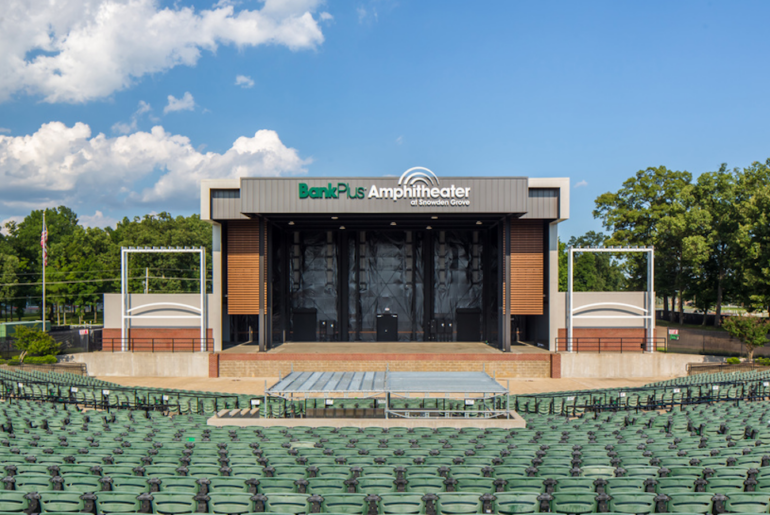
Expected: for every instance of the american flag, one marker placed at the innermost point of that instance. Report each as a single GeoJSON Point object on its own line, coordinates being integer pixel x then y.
{"type": "Point", "coordinates": [44, 243]}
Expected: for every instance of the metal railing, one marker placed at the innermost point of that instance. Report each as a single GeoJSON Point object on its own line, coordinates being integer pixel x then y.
{"type": "Point", "coordinates": [107, 397]}
{"type": "Point", "coordinates": [642, 398]}
{"type": "Point", "coordinates": [609, 344]}
{"type": "Point", "coordinates": [157, 345]}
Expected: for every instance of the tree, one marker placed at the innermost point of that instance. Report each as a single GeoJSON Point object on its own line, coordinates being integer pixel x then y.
{"type": "Point", "coordinates": [717, 193]}
{"type": "Point", "coordinates": [633, 214]}
{"type": "Point", "coordinates": [9, 269]}
{"type": "Point", "coordinates": [35, 342]}
{"type": "Point", "coordinates": [752, 331]}
{"type": "Point", "coordinates": [591, 271]}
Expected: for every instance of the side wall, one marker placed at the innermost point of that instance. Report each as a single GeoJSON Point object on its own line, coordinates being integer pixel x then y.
{"type": "Point", "coordinates": [626, 365]}
{"type": "Point", "coordinates": [142, 364]}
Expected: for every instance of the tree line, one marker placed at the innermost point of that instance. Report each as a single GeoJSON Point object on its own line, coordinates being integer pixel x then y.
{"type": "Point", "coordinates": [84, 262]}
{"type": "Point", "coordinates": [711, 235]}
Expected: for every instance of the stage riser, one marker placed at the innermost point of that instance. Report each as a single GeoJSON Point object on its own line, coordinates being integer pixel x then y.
{"type": "Point", "coordinates": [502, 365]}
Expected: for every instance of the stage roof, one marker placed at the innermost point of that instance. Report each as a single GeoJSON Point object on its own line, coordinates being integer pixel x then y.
{"type": "Point", "coordinates": [381, 382]}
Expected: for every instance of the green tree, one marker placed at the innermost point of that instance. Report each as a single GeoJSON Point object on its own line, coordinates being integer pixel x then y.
{"type": "Point", "coordinates": [9, 269]}
{"type": "Point", "coordinates": [634, 213]}
{"type": "Point", "coordinates": [716, 192]}
{"type": "Point", "coordinates": [35, 342]}
{"type": "Point", "coordinates": [752, 238]}
{"type": "Point", "coordinates": [752, 331]}
{"type": "Point", "coordinates": [591, 271]}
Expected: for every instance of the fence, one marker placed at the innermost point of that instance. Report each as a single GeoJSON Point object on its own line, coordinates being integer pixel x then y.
{"type": "Point", "coordinates": [642, 398]}
{"type": "Point", "coordinates": [157, 344]}
{"type": "Point", "coordinates": [715, 343]}
{"type": "Point", "coordinates": [59, 368]}
{"type": "Point", "coordinates": [602, 344]}
{"type": "Point", "coordinates": [72, 341]}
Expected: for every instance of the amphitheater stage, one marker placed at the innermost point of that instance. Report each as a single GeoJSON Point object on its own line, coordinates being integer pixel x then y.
{"type": "Point", "coordinates": [523, 361]}
{"type": "Point", "coordinates": [515, 422]}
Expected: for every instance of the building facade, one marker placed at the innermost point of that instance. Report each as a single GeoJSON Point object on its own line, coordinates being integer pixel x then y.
{"type": "Point", "coordinates": [409, 258]}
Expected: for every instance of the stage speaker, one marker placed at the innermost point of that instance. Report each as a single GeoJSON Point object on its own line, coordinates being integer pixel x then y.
{"type": "Point", "coordinates": [468, 325]}
{"type": "Point", "coordinates": [387, 327]}
{"type": "Point", "coordinates": [305, 321]}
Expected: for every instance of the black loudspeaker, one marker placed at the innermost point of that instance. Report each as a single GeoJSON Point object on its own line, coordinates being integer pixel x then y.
{"type": "Point", "coordinates": [468, 325]}
{"type": "Point", "coordinates": [305, 321]}
{"type": "Point", "coordinates": [387, 328]}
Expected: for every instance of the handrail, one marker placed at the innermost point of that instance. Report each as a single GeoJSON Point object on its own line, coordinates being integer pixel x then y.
{"type": "Point", "coordinates": [186, 306]}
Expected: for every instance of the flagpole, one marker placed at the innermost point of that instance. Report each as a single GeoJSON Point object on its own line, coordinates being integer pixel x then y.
{"type": "Point", "coordinates": [44, 263]}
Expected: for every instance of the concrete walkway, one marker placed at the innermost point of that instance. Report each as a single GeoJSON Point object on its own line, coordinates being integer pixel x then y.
{"type": "Point", "coordinates": [256, 385]}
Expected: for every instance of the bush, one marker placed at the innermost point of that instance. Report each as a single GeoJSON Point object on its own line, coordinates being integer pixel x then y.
{"type": "Point", "coordinates": [35, 342]}
{"type": "Point", "coordinates": [762, 361]}
{"type": "Point", "coordinates": [40, 360]}
{"type": "Point", "coordinates": [14, 361]}
{"type": "Point", "coordinates": [3, 362]}
{"type": "Point", "coordinates": [733, 361]}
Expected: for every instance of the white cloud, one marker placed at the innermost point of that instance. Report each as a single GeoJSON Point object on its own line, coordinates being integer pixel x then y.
{"type": "Point", "coordinates": [80, 50]}
{"type": "Point", "coordinates": [98, 219]}
{"type": "Point", "coordinates": [68, 165]}
{"type": "Point", "coordinates": [4, 229]}
{"type": "Point", "coordinates": [125, 128]}
{"type": "Point", "coordinates": [399, 140]}
{"type": "Point", "coordinates": [4, 130]}
{"type": "Point", "coordinates": [186, 103]}
{"type": "Point", "coordinates": [581, 184]}
{"type": "Point", "coordinates": [326, 16]}
{"type": "Point", "coordinates": [244, 81]}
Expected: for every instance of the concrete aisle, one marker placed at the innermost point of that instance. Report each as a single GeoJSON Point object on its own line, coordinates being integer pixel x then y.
{"type": "Point", "coordinates": [256, 385]}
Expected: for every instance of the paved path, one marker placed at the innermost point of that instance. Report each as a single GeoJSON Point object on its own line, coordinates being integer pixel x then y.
{"type": "Point", "coordinates": [256, 385]}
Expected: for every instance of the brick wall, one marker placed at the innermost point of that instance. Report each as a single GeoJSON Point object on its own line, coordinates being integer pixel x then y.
{"type": "Point", "coordinates": [274, 365]}
{"type": "Point", "coordinates": [181, 339]}
{"type": "Point", "coordinates": [588, 339]}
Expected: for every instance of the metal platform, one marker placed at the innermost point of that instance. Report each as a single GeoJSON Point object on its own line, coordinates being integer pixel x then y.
{"type": "Point", "coordinates": [479, 395]}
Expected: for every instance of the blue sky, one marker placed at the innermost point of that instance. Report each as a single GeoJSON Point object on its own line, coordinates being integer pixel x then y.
{"type": "Point", "coordinates": [590, 90]}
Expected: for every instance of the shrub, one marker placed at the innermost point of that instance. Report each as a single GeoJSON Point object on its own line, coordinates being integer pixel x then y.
{"type": "Point", "coordinates": [752, 331]}
{"type": "Point", "coordinates": [733, 361]}
{"type": "Point", "coordinates": [34, 342]}
{"type": "Point", "coordinates": [3, 362]}
{"type": "Point", "coordinates": [14, 361]}
{"type": "Point", "coordinates": [40, 360]}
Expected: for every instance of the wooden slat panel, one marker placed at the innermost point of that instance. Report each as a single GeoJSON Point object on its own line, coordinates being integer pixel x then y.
{"type": "Point", "coordinates": [244, 268]}
{"type": "Point", "coordinates": [527, 267]}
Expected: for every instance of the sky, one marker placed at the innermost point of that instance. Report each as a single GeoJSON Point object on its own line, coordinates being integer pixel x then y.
{"type": "Point", "coordinates": [120, 107]}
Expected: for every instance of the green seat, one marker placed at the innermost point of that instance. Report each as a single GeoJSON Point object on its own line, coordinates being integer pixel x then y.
{"type": "Point", "coordinates": [82, 483]}
{"type": "Point", "coordinates": [168, 503]}
{"type": "Point", "coordinates": [230, 504]}
{"type": "Point", "coordinates": [268, 485]}
{"type": "Point", "coordinates": [117, 502]}
{"type": "Point", "coordinates": [228, 485]}
{"type": "Point", "coordinates": [690, 502]}
{"type": "Point", "coordinates": [287, 503]}
{"type": "Point", "coordinates": [525, 484]}
{"type": "Point", "coordinates": [130, 484]}
{"type": "Point", "coordinates": [574, 484]}
{"type": "Point", "coordinates": [671, 485]}
{"type": "Point", "coordinates": [637, 503]}
{"type": "Point", "coordinates": [450, 503]}
{"type": "Point", "coordinates": [725, 485]}
{"type": "Point", "coordinates": [573, 503]}
{"type": "Point", "coordinates": [424, 484]}
{"type": "Point", "coordinates": [398, 503]}
{"type": "Point", "coordinates": [509, 503]}
{"type": "Point", "coordinates": [344, 503]}
{"type": "Point", "coordinates": [377, 484]}
{"type": "Point", "coordinates": [324, 485]}
{"type": "Point", "coordinates": [747, 502]}
{"type": "Point", "coordinates": [13, 501]}
{"type": "Point", "coordinates": [65, 502]}
{"type": "Point", "coordinates": [188, 485]}
{"type": "Point", "coordinates": [624, 485]}
{"type": "Point", "coordinates": [480, 485]}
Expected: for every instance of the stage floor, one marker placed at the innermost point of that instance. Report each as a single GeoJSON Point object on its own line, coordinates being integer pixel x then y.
{"type": "Point", "coordinates": [385, 348]}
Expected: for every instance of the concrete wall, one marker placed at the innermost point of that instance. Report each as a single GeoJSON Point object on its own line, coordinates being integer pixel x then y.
{"type": "Point", "coordinates": [621, 366]}
{"type": "Point", "coordinates": [142, 364]}
{"type": "Point", "coordinates": [112, 310]}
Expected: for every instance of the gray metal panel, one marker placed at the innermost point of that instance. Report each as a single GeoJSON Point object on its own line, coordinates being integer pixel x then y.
{"type": "Point", "coordinates": [226, 205]}
{"type": "Point", "coordinates": [281, 196]}
{"type": "Point", "coordinates": [368, 382]}
{"type": "Point", "coordinates": [443, 382]}
{"type": "Point", "coordinates": [543, 203]}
